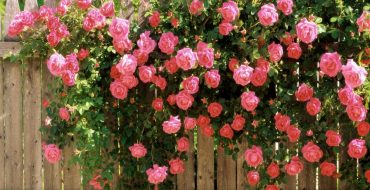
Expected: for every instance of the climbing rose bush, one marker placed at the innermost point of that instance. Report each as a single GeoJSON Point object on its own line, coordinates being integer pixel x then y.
{"type": "Point", "coordinates": [288, 77]}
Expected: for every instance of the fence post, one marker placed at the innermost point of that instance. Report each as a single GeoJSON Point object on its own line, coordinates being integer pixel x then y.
{"type": "Point", "coordinates": [205, 174]}
{"type": "Point", "coordinates": [186, 181]}
{"type": "Point", "coordinates": [11, 9]}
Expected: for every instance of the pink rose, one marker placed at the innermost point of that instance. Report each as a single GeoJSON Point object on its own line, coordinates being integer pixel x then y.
{"type": "Point", "coordinates": [94, 19]}
{"type": "Point", "coordinates": [177, 166]}
{"type": "Point", "coordinates": [233, 64]}
{"type": "Point", "coordinates": [146, 43]}
{"type": "Point", "coordinates": [327, 168]}
{"type": "Point", "coordinates": [254, 156]}
{"type": "Point", "coordinates": [293, 133]}
{"type": "Point", "coordinates": [275, 52]}
{"type": "Point", "coordinates": [273, 170]}
{"type": "Point", "coordinates": [294, 51]}
{"type": "Point", "coordinates": [330, 64]}
{"type": "Point", "coordinates": [184, 100]}
{"type": "Point", "coordinates": [311, 152]}
{"type": "Point", "coordinates": [253, 177]}
{"type": "Point", "coordinates": [363, 22]}
{"type": "Point", "coordinates": [258, 77]}
{"type": "Point", "coordinates": [203, 121]}
{"type": "Point", "coordinates": [160, 82]}
{"type": "Point", "coordinates": [72, 63]}
{"type": "Point", "coordinates": [52, 153]}
{"type": "Point", "coordinates": [171, 99]}
{"type": "Point", "coordinates": [191, 84]}
{"type": "Point", "coordinates": [53, 39]}
{"type": "Point", "coordinates": [304, 93]}
{"type": "Point", "coordinates": [263, 64]}
{"type": "Point", "coordinates": [268, 15]}
{"type": "Point", "coordinates": [285, 6]}
{"type": "Point", "coordinates": [226, 131]}
{"type": "Point", "coordinates": [15, 28]}
{"type": "Point", "coordinates": [333, 138]}
{"type": "Point", "coordinates": [127, 64]}
{"type": "Point", "coordinates": [121, 45]}
{"type": "Point", "coordinates": [82, 54]}
{"type": "Point", "coordinates": [354, 75]}
{"type": "Point", "coordinates": [367, 176]}
{"type": "Point", "coordinates": [272, 187]}
{"type": "Point", "coordinates": [186, 59]}
{"type": "Point", "coordinates": [83, 4]}
{"type": "Point", "coordinates": [146, 73]}
{"type": "Point", "coordinates": [154, 19]}
{"type": "Point", "coordinates": [306, 31]}
{"type": "Point", "coordinates": [363, 128]}
{"type": "Point", "coordinates": [195, 7]}
{"type": "Point", "coordinates": [357, 148]}
{"type": "Point", "coordinates": [95, 182]}
{"type": "Point", "coordinates": [183, 144]}
{"type": "Point", "coordinates": [46, 12]}
{"type": "Point", "coordinates": [190, 123]}
{"type": "Point", "coordinates": [356, 112]}
{"type": "Point", "coordinates": [68, 78]}
{"type": "Point", "coordinates": [205, 55]}
{"type": "Point", "coordinates": [347, 96]}
{"type": "Point", "coordinates": [287, 38]}
{"type": "Point", "coordinates": [119, 28]}
{"type": "Point", "coordinates": [156, 174]}
{"type": "Point", "coordinates": [229, 11]}
{"type": "Point", "coordinates": [212, 78]}
{"type": "Point", "coordinates": [243, 75]}
{"type": "Point", "coordinates": [282, 122]}
{"type": "Point", "coordinates": [294, 167]}
{"type": "Point", "coordinates": [137, 150]}
{"type": "Point", "coordinates": [238, 122]}
{"type": "Point", "coordinates": [225, 28]}
{"type": "Point", "coordinates": [313, 106]}
{"type": "Point", "coordinates": [107, 9]}
{"type": "Point", "coordinates": [141, 56]}
{"type": "Point", "coordinates": [157, 104]}
{"type": "Point", "coordinates": [114, 73]}
{"type": "Point", "coordinates": [249, 101]}
{"type": "Point", "coordinates": [207, 131]}
{"type": "Point", "coordinates": [64, 114]}
{"type": "Point", "coordinates": [118, 89]}
{"type": "Point", "coordinates": [56, 64]}
{"type": "Point", "coordinates": [168, 42]}
{"type": "Point", "coordinates": [171, 65]}
{"type": "Point", "coordinates": [172, 125]}
{"type": "Point", "coordinates": [174, 22]}
{"type": "Point", "coordinates": [130, 81]}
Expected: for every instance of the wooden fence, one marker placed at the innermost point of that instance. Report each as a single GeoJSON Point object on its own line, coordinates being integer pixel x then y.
{"type": "Point", "coordinates": [22, 89]}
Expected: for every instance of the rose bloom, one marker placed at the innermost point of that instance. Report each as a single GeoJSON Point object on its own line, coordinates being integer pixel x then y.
{"type": "Point", "coordinates": [205, 55]}
{"type": "Point", "coordinates": [225, 28]}
{"type": "Point", "coordinates": [285, 6]}
{"type": "Point", "coordinates": [363, 128]}
{"type": "Point", "coordinates": [226, 131]}
{"type": "Point", "coordinates": [157, 104]}
{"type": "Point", "coordinates": [294, 167]}
{"type": "Point", "coordinates": [160, 82]}
{"type": "Point", "coordinates": [253, 177]}
{"type": "Point", "coordinates": [68, 78]}
{"type": "Point", "coordinates": [313, 106]}
{"type": "Point", "coordinates": [95, 182]}
{"type": "Point", "coordinates": [185, 59]}
{"type": "Point", "coordinates": [346, 95]}
{"type": "Point", "coordinates": [114, 73]}
{"type": "Point", "coordinates": [273, 170]}
{"type": "Point", "coordinates": [195, 7]}
{"type": "Point", "coordinates": [238, 122]}
{"type": "Point", "coordinates": [171, 65]}
{"type": "Point", "coordinates": [190, 123]}
{"type": "Point", "coordinates": [84, 4]}
{"type": "Point", "coordinates": [229, 11]}
{"type": "Point", "coordinates": [141, 56]}
{"type": "Point", "coordinates": [184, 100]}
{"type": "Point", "coordinates": [127, 64]}
{"type": "Point", "coordinates": [130, 81]}
{"type": "Point", "coordinates": [258, 77]}
{"type": "Point", "coordinates": [293, 133]}
{"type": "Point", "coordinates": [154, 19]}
{"type": "Point", "coordinates": [172, 125]}
{"type": "Point", "coordinates": [333, 138]}
{"type": "Point", "coordinates": [311, 152]}
{"type": "Point", "coordinates": [254, 156]}
{"type": "Point", "coordinates": [275, 52]}
{"type": "Point", "coordinates": [146, 43]}
{"type": "Point", "coordinates": [107, 9]}
{"type": "Point", "coordinates": [309, 133]}
{"type": "Point", "coordinates": [263, 64]}
{"type": "Point", "coordinates": [56, 64]}
{"type": "Point", "coordinates": [168, 42]}
{"type": "Point", "coordinates": [52, 153]}
{"type": "Point", "coordinates": [156, 174]}
{"type": "Point", "coordinates": [306, 31]}
{"type": "Point", "coordinates": [171, 99]}
{"type": "Point", "coordinates": [146, 73]}
{"type": "Point", "coordinates": [64, 114]}
{"type": "Point", "coordinates": [191, 85]}
{"type": "Point", "coordinates": [203, 121]}
{"type": "Point", "coordinates": [282, 122]}
{"type": "Point", "coordinates": [330, 64]}
{"type": "Point", "coordinates": [121, 45]}
{"type": "Point", "coordinates": [214, 109]}
{"type": "Point", "coordinates": [82, 54]}
{"type": "Point", "coordinates": [287, 39]}
{"type": "Point", "coordinates": [243, 75]}
{"type": "Point", "coordinates": [249, 101]}
{"type": "Point", "coordinates": [327, 168]}
{"type": "Point", "coordinates": [183, 144]}
{"type": "Point", "coordinates": [363, 22]}
{"type": "Point", "coordinates": [212, 78]}
{"type": "Point", "coordinates": [268, 15]}
{"type": "Point", "coordinates": [354, 75]}
{"type": "Point", "coordinates": [233, 64]}
{"type": "Point", "coordinates": [207, 131]}
{"type": "Point", "coordinates": [304, 93]}
{"type": "Point", "coordinates": [138, 150]}
{"type": "Point", "coordinates": [272, 187]}
{"type": "Point", "coordinates": [367, 175]}
{"type": "Point", "coordinates": [357, 148]}
{"type": "Point", "coordinates": [119, 28]}
{"type": "Point", "coordinates": [118, 90]}
{"type": "Point", "coordinates": [294, 51]}
{"type": "Point", "coordinates": [356, 112]}
{"type": "Point", "coordinates": [174, 22]}
{"type": "Point", "coordinates": [177, 166]}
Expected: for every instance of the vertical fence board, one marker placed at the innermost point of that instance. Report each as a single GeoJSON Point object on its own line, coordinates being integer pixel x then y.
{"type": "Point", "coordinates": [11, 9]}
{"type": "Point", "coordinates": [71, 172]}
{"type": "Point", "coordinates": [13, 126]}
{"type": "Point", "coordinates": [31, 123]}
{"type": "Point", "coordinates": [307, 178]}
{"type": "Point", "coordinates": [186, 181]}
{"type": "Point", "coordinates": [240, 173]}
{"type": "Point", "coordinates": [2, 131]}
{"type": "Point", "coordinates": [205, 174]}
{"type": "Point", "coordinates": [291, 183]}
{"type": "Point", "coordinates": [50, 3]}
{"type": "Point", "coordinates": [30, 5]}
{"type": "Point", "coordinates": [226, 171]}
{"type": "Point", "coordinates": [327, 183]}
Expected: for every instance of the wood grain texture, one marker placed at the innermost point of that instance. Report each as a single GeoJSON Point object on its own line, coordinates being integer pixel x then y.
{"type": "Point", "coordinates": [32, 123]}
{"type": "Point", "coordinates": [11, 9]}
{"type": "Point", "coordinates": [240, 172]}
{"type": "Point", "coordinates": [291, 180]}
{"type": "Point", "coordinates": [307, 178]}
{"type": "Point", "coordinates": [205, 174]}
{"type": "Point", "coordinates": [327, 183]}
{"type": "Point", "coordinates": [2, 130]}
{"type": "Point", "coordinates": [226, 171]}
{"type": "Point", "coordinates": [51, 3]}
{"type": "Point", "coordinates": [13, 126]}
{"type": "Point", "coordinates": [71, 172]}
{"type": "Point", "coordinates": [30, 5]}
{"type": "Point", "coordinates": [9, 47]}
{"type": "Point", "coordinates": [186, 181]}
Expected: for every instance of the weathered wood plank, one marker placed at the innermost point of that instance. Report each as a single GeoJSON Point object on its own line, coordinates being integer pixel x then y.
{"type": "Point", "coordinates": [2, 130]}
{"type": "Point", "coordinates": [9, 47]}
{"type": "Point", "coordinates": [51, 3]}
{"type": "Point", "coordinates": [327, 183]}
{"type": "Point", "coordinates": [31, 123]}
{"type": "Point", "coordinates": [13, 126]}
{"type": "Point", "coordinates": [291, 180]}
{"type": "Point", "coordinates": [30, 5]}
{"type": "Point", "coordinates": [226, 171]}
{"type": "Point", "coordinates": [240, 172]}
{"type": "Point", "coordinates": [307, 178]}
{"type": "Point", "coordinates": [71, 172]}
{"type": "Point", "coordinates": [11, 9]}
{"type": "Point", "coordinates": [205, 174]}
{"type": "Point", "coordinates": [186, 181]}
